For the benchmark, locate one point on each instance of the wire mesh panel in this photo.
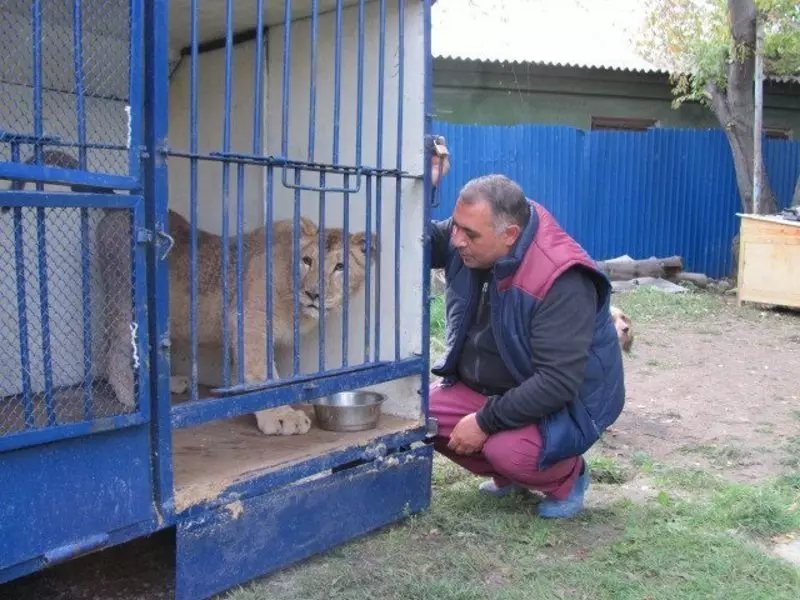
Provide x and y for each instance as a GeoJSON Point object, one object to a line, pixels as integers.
{"type": "Point", "coordinates": [70, 81]}
{"type": "Point", "coordinates": [69, 338]}
{"type": "Point", "coordinates": [296, 214]}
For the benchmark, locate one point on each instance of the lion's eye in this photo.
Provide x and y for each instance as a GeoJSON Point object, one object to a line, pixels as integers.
{"type": "Point", "coordinates": [338, 267]}
{"type": "Point", "coordinates": [307, 260]}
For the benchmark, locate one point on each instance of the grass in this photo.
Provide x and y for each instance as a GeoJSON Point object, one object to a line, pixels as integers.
{"type": "Point", "coordinates": [680, 544]}
{"type": "Point", "coordinates": [648, 304]}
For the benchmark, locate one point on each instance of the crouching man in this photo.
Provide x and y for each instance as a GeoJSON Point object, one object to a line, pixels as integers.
{"type": "Point", "coordinates": [533, 371]}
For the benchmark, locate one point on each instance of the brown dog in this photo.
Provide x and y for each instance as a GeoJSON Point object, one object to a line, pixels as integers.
{"type": "Point", "coordinates": [624, 326]}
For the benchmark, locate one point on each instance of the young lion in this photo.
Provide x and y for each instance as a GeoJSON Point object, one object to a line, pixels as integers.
{"type": "Point", "coordinates": [278, 421]}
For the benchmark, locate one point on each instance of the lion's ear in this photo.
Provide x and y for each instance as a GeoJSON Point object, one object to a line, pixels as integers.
{"type": "Point", "coordinates": [307, 228]}
{"type": "Point", "coordinates": [358, 244]}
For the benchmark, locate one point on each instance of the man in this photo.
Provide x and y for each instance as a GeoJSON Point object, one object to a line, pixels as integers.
{"type": "Point", "coordinates": [533, 370]}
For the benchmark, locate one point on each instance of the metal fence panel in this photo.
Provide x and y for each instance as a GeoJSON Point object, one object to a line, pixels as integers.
{"type": "Point", "coordinates": [657, 193]}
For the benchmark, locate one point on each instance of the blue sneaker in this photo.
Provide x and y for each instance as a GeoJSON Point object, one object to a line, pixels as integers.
{"type": "Point", "coordinates": [550, 508]}
{"type": "Point", "coordinates": [490, 487]}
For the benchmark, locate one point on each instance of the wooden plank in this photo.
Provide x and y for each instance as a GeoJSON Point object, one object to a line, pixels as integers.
{"type": "Point", "coordinates": [769, 262]}
{"type": "Point", "coordinates": [212, 457]}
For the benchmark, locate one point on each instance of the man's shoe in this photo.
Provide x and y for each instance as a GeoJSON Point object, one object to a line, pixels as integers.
{"type": "Point", "coordinates": [490, 487]}
{"type": "Point", "coordinates": [550, 508]}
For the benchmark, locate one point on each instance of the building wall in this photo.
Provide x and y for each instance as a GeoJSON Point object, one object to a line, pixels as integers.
{"type": "Point", "coordinates": [505, 94]}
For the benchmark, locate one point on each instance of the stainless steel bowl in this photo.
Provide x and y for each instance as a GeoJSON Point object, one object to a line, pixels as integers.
{"type": "Point", "coordinates": [349, 411]}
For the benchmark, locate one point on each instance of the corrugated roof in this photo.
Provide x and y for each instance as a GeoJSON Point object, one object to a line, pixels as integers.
{"type": "Point", "coordinates": [573, 33]}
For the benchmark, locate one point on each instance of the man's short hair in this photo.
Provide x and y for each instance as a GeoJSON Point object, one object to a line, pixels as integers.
{"type": "Point", "coordinates": [505, 197]}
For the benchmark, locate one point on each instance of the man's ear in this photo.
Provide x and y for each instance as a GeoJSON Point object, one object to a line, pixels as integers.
{"type": "Point", "coordinates": [512, 234]}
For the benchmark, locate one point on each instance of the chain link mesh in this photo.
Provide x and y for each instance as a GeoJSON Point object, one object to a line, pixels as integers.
{"type": "Point", "coordinates": [100, 123]}
{"type": "Point", "coordinates": [69, 318]}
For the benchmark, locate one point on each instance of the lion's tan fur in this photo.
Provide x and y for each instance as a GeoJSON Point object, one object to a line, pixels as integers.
{"type": "Point", "coordinates": [113, 229]}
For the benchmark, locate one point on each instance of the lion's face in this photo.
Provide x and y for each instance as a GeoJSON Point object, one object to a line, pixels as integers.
{"type": "Point", "coordinates": [310, 288]}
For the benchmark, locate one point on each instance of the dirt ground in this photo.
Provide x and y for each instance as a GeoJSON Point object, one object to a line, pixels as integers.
{"type": "Point", "coordinates": [709, 386]}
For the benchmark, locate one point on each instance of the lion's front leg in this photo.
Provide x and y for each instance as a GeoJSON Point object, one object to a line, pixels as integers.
{"type": "Point", "coordinates": [282, 420]}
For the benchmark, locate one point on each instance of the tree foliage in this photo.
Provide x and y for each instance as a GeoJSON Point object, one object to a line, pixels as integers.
{"type": "Point", "coordinates": [708, 47]}
{"type": "Point", "coordinates": [693, 40]}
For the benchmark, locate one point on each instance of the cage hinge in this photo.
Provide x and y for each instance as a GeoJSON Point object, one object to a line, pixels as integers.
{"type": "Point", "coordinates": [143, 236]}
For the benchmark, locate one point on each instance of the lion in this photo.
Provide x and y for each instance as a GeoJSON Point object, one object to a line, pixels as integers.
{"type": "Point", "coordinates": [114, 257]}
{"type": "Point", "coordinates": [284, 420]}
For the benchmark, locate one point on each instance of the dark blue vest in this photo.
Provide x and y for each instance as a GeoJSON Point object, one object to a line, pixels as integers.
{"type": "Point", "coordinates": [519, 281]}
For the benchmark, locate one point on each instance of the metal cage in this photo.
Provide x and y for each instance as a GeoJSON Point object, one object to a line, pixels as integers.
{"type": "Point", "coordinates": [202, 200]}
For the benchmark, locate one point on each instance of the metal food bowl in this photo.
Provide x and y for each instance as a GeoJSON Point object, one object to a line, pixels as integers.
{"type": "Point", "coordinates": [349, 411]}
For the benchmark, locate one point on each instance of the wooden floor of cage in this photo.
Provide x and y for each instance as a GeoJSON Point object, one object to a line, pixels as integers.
{"type": "Point", "coordinates": [209, 458]}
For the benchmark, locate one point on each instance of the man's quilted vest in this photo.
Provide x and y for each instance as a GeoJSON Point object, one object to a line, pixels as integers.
{"type": "Point", "coordinates": [519, 282]}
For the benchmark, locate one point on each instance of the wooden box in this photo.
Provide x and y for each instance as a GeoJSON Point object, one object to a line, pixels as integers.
{"type": "Point", "coordinates": [769, 260]}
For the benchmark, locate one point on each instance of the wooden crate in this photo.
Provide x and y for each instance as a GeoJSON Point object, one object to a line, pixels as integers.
{"type": "Point", "coordinates": [769, 260]}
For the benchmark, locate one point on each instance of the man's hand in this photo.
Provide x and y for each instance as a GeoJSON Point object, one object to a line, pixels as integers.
{"type": "Point", "coordinates": [467, 436]}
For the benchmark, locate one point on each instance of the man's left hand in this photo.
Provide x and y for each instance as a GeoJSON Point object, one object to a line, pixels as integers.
{"type": "Point", "coordinates": [467, 436]}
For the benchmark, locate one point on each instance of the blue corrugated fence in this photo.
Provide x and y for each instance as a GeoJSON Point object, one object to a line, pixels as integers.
{"type": "Point", "coordinates": [658, 193]}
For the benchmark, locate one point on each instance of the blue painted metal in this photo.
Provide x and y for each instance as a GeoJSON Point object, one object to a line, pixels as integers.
{"type": "Point", "coordinates": [67, 491]}
{"type": "Point", "coordinates": [226, 147]}
{"type": "Point", "coordinates": [398, 181]}
{"type": "Point", "coordinates": [230, 545]}
{"type": "Point", "coordinates": [663, 192]}
{"type": "Point", "coordinates": [426, 214]}
{"type": "Point", "coordinates": [156, 108]}
{"type": "Point", "coordinates": [193, 116]}
{"type": "Point", "coordinates": [300, 389]}
{"type": "Point", "coordinates": [75, 548]}
{"type": "Point", "coordinates": [55, 175]}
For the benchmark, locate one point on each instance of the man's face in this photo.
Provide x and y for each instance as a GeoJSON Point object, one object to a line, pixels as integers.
{"type": "Point", "coordinates": [476, 238]}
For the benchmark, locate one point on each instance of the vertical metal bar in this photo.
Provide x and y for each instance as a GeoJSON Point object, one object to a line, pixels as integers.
{"type": "Point", "coordinates": [193, 183]}
{"type": "Point", "coordinates": [312, 118]}
{"type": "Point", "coordinates": [287, 38]}
{"type": "Point", "coordinates": [226, 146]}
{"type": "Point", "coordinates": [426, 212]}
{"type": "Point", "coordinates": [337, 101]}
{"type": "Point", "coordinates": [22, 310]}
{"type": "Point", "coordinates": [379, 178]}
{"type": "Point", "coordinates": [287, 43]}
{"type": "Point", "coordinates": [360, 84]}
{"type": "Point", "coordinates": [38, 128]}
{"type": "Point", "coordinates": [400, 82]}
{"type": "Point", "coordinates": [77, 33]}
{"type": "Point", "coordinates": [268, 276]}
{"type": "Point", "coordinates": [337, 81]}
{"type": "Point", "coordinates": [239, 269]}
{"type": "Point", "coordinates": [346, 271]}
{"type": "Point", "coordinates": [321, 265]}
{"type": "Point", "coordinates": [156, 184]}
{"type": "Point", "coordinates": [41, 243]}
{"type": "Point", "coordinates": [296, 279]}
{"type": "Point", "coordinates": [135, 86]}
{"type": "Point", "coordinates": [259, 99]}
{"type": "Point", "coordinates": [367, 282]}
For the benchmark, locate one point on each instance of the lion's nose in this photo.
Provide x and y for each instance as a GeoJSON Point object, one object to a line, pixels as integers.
{"type": "Point", "coordinates": [314, 297]}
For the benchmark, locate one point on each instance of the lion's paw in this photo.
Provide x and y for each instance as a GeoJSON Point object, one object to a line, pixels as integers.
{"type": "Point", "coordinates": [178, 384]}
{"type": "Point", "coordinates": [283, 421]}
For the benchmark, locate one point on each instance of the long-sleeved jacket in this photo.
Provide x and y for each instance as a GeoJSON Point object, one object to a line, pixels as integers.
{"type": "Point", "coordinates": [518, 283]}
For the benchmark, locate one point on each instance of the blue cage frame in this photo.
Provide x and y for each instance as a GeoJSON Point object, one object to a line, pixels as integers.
{"type": "Point", "coordinates": [76, 463]}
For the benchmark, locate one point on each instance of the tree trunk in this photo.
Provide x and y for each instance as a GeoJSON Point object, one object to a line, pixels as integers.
{"type": "Point", "coordinates": [734, 107]}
